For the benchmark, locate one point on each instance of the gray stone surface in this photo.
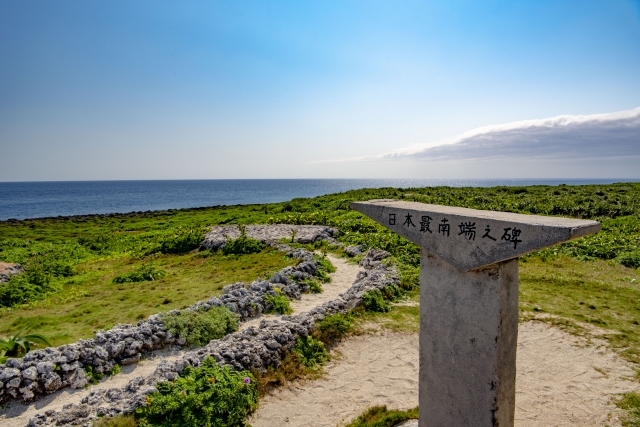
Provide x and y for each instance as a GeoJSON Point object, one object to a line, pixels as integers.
{"type": "Point", "coordinates": [474, 238]}
{"type": "Point", "coordinates": [8, 269]}
{"type": "Point", "coordinates": [217, 237]}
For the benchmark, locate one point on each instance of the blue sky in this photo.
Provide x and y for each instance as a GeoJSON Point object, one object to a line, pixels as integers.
{"type": "Point", "coordinates": [313, 89]}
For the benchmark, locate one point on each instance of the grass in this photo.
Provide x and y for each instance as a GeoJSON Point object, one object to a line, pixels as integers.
{"type": "Point", "coordinates": [630, 402]}
{"type": "Point", "coordinates": [81, 255]}
{"type": "Point", "coordinates": [577, 295]}
{"type": "Point", "coordinates": [90, 301]}
{"type": "Point", "coordinates": [380, 416]}
{"type": "Point", "coordinates": [573, 294]}
{"type": "Point", "coordinates": [119, 421]}
{"type": "Point", "coordinates": [200, 327]}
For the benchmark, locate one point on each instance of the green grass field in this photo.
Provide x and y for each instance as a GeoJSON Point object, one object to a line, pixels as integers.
{"type": "Point", "coordinates": [74, 261]}
{"type": "Point", "coordinates": [89, 301]}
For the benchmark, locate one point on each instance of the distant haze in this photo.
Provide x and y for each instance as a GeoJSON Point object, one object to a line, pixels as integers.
{"type": "Point", "coordinates": [155, 89]}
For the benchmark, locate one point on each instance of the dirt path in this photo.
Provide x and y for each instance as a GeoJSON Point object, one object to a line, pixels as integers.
{"type": "Point", "coordinates": [341, 280]}
{"type": "Point", "coordinates": [561, 382]}
{"type": "Point", "coordinates": [16, 414]}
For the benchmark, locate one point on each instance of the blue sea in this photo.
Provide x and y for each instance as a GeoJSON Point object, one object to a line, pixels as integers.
{"type": "Point", "coordinates": [22, 200]}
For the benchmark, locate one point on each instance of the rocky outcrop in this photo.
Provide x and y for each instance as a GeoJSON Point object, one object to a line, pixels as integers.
{"type": "Point", "coordinates": [253, 348]}
{"type": "Point", "coordinates": [217, 237]}
{"type": "Point", "coordinates": [44, 371]}
{"type": "Point", "coordinates": [8, 269]}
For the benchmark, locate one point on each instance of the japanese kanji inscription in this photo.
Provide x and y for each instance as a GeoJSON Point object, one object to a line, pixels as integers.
{"type": "Point", "coordinates": [469, 302]}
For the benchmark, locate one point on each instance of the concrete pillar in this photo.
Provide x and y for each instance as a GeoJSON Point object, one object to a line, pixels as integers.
{"type": "Point", "coordinates": [469, 302]}
{"type": "Point", "coordinates": [468, 336]}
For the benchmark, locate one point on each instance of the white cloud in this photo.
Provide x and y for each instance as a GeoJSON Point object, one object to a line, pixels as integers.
{"type": "Point", "coordinates": [612, 135]}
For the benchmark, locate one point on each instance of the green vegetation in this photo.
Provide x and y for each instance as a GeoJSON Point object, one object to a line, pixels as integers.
{"type": "Point", "coordinates": [279, 304]}
{"type": "Point", "coordinates": [121, 421]}
{"type": "Point", "coordinates": [242, 245]}
{"type": "Point", "coordinates": [579, 294]}
{"type": "Point", "coordinates": [311, 352]}
{"type": "Point", "coordinates": [333, 328]}
{"type": "Point", "coordinates": [146, 272]}
{"type": "Point", "coordinates": [95, 377]}
{"type": "Point", "coordinates": [631, 403]}
{"type": "Point", "coordinates": [89, 301]}
{"type": "Point", "coordinates": [71, 263]}
{"type": "Point", "coordinates": [200, 327]}
{"type": "Point", "coordinates": [324, 268]}
{"type": "Point", "coordinates": [20, 344]}
{"type": "Point", "coordinates": [373, 300]}
{"type": "Point", "coordinates": [380, 416]}
{"type": "Point", "coordinates": [208, 396]}
{"type": "Point", "coordinates": [314, 286]}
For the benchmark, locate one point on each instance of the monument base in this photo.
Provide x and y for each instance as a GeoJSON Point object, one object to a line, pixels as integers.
{"type": "Point", "coordinates": [468, 337]}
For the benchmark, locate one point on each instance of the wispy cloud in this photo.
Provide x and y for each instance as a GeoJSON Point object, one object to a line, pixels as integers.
{"type": "Point", "coordinates": [564, 137]}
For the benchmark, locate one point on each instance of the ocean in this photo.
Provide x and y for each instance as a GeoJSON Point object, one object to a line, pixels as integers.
{"type": "Point", "coordinates": [21, 200]}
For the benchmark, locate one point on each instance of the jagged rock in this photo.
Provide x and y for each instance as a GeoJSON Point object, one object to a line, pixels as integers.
{"type": "Point", "coordinates": [218, 236]}
{"type": "Point", "coordinates": [353, 250]}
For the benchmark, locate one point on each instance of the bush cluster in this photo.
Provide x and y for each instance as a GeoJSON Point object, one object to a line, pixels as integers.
{"type": "Point", "coordinates": [311, 352]}
{"type": "Point", "coordinates": [314, 286]}
{"type": "Point", "coordinates": [200, 327]}
{"type": "Point", "coordinates": [21, 290]}
{"type": "Point", "coordinates": [208, 396]}
{"type": "Point", "coordinates": [146, 272]}
{"type": "Point", "coordinates": [373, 300]}
{"type": "Point", "coordinates": [278, 304]}
{"type": "Point", "coordinates": [242, 245]}
{"type": "Point", "coordinates": [333, 328]}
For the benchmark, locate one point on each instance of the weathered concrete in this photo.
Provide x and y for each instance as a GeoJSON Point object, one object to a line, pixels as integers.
{"type": "Point", "coordinates": [469, 303]}
{"type": "Point", "coordinates": [469, 330]}
{"type": "Point", "coordinates": [471, 238]}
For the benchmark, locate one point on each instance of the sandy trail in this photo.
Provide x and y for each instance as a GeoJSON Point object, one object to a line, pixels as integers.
{"type": "Point", "coordinates": [560, 382]}
{"type": "Point", "coordinates": [16, 413]}
{"type": "Point", "coordinates": [341, 280]}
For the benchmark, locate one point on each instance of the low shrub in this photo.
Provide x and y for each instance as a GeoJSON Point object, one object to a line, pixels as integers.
{"type": "Point", "coordinates": [324, 268]}
{"type": "Point", "coordinates": [242, 245]}
{"type": "Point", "coordinates": [20, 344]}
{"type": "Point", "coordinates": [93, 376]}
{"type": "Point", "coordinates": [314, 286]}
{"type": "Point", "coordinates": [311, 351]}
{"type": "Point", "coordinates": [208, 396]}
{"type": "Point", "coordinates": [409, 277]}
{"type": "Point", "coordinates": [21, 290]}
{"type": "Point", "coordinates": [182, 241]}
{"type": "Point", "coordinates": [200, 327]}
{"type": "Point", "coordinates": [391, 292]}
{"type": "Point", "coordinates": [629, 259]}
{"type": "Point", "coordinates": [278, 304]}
{"type": "Point", "coordinates": [35, 283]}
{"type": "Point", "coordinates": [119, 421]}
{"type": "Point", "coordinates": [146, 272]}
{"type": "Point", "coordinates": [380, 416]}
{"type": "Point", "coordinates": [333, 328]}
{"type": "Point", "coordinates": [374, 301]}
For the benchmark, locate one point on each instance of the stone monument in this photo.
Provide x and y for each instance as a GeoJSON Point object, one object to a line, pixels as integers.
{"type": "Point", "coordinates": [469, 302]}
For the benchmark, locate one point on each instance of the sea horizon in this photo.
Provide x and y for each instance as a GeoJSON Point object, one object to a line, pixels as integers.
{"type": "Point", "coordinates": [41, 199]}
